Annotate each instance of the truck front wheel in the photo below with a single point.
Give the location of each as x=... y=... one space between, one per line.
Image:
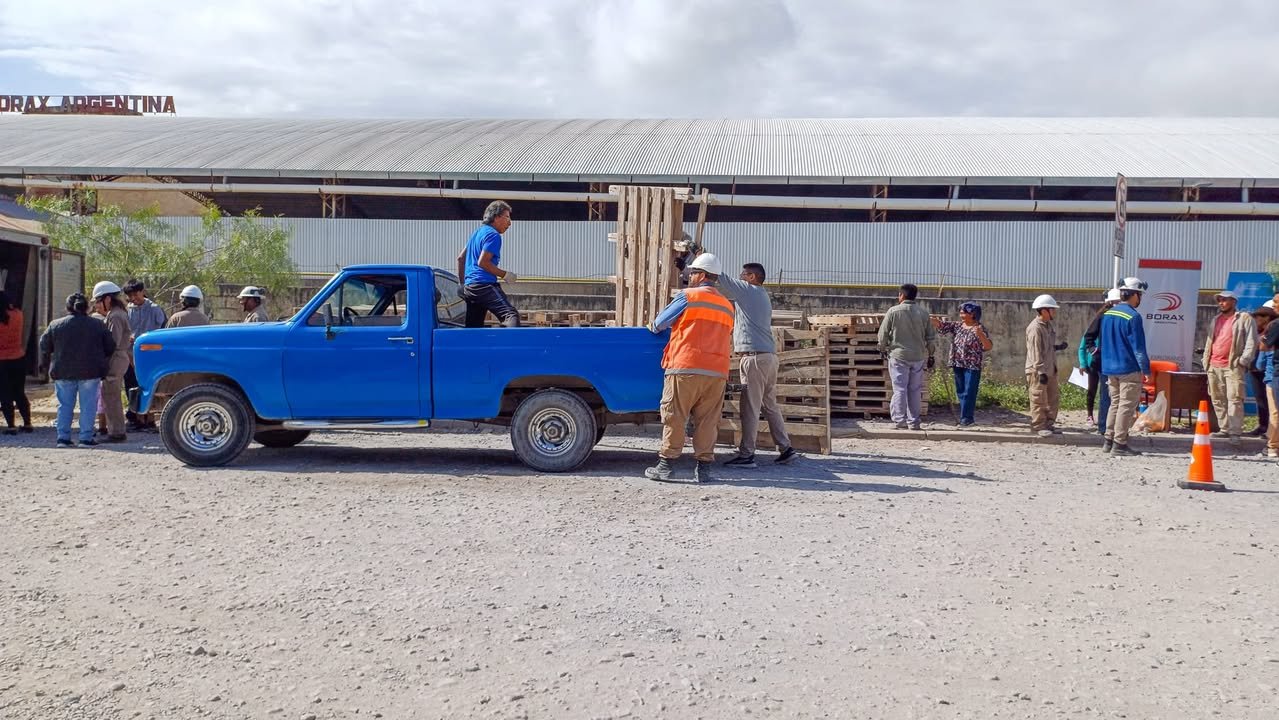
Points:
x=553 y=431
x=206 y=425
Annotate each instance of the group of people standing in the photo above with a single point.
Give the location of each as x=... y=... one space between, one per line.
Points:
x=88 y=354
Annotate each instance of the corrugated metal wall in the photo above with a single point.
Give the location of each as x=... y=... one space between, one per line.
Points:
x=1012 y=254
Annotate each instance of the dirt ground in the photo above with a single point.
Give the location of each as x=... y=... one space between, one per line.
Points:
x=365 y=575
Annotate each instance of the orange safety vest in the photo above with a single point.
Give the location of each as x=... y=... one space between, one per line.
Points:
x=702 y=337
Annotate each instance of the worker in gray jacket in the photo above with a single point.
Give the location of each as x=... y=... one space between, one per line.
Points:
x=753 y=342
x=908 y=339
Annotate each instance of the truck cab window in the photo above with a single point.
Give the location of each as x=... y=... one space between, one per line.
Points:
x=366 y=301
x=450 y=310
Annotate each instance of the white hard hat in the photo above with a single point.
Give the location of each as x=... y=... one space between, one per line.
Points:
x=1044 y=301
x=708 y=263
x=1270 y=304
x=252 y=292
x=106 y=287
x=1135 y=284
x=1227 y=294
x=1113 y=295
x=191 y=291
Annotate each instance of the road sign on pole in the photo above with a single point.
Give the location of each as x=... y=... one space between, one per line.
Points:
x=1121 y=213
x=1121 y=221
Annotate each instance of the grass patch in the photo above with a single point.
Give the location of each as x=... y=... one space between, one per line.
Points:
x=996 y=393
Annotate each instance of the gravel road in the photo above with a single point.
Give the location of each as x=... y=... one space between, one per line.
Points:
x=404 y=576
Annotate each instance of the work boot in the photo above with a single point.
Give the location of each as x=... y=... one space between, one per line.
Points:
x=660 y=471
x=742 y=461
x=786 y=456
x=702 y=472
x=1124 y=450
x=1108 y=446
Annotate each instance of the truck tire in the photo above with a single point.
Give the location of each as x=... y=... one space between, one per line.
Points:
x=599 y=432
x=553 y=431
x=206 y=425
x=280 y=438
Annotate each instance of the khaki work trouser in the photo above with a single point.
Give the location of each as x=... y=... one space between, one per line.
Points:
x=1225 y=387
x=1045 y=400
x=1125 y=395
x=113 y=404
x=700 y=397
x=1272 y=431
x=759 y=372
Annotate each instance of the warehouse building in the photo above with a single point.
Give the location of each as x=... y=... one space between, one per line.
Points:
x=958 y=202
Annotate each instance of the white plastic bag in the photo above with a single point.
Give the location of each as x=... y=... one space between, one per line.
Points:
x=1153 y=420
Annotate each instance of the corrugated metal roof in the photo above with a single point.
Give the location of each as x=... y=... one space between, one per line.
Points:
x=1230 y=151
x=981 y=253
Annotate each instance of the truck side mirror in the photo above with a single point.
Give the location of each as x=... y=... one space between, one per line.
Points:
x=327 y=311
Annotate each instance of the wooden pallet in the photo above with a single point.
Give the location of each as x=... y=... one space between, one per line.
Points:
x=803 y=393
x=859 y=382
x=649 y=222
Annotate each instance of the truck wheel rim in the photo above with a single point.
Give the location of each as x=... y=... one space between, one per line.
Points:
x=552 y=432
x=206 y=427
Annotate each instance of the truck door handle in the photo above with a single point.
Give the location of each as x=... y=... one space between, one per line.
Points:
x=406 y=340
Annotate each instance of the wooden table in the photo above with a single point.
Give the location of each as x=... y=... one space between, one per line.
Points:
x=1184 y=390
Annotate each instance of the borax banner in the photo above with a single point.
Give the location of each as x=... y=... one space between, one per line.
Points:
x=1169 y=307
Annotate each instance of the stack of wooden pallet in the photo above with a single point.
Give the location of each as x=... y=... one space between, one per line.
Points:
x=859 y=382
x=803 y=393
x=563 y=318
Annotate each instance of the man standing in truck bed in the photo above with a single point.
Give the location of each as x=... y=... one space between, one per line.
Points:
x=478 y=272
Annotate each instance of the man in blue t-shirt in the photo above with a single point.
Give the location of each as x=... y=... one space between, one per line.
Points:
x=478 y=271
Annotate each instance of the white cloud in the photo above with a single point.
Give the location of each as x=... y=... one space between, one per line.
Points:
x=656 y=58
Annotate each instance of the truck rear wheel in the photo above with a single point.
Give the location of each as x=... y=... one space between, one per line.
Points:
x=206 y=425
x=553 y=431
x=280 y=438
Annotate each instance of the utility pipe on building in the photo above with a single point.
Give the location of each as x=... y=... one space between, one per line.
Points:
x=1079 y=207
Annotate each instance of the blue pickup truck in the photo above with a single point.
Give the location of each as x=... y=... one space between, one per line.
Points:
x=384 y=347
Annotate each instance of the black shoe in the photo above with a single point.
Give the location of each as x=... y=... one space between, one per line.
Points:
x=786 y=456
x=660 y=471
x=742 y=462
x=1107 y=446
x=1124 y=450
x=702 y=472
x=116 y=439
x=89 y=443
x=11 y=431
x=27 y=428
x=65 y=444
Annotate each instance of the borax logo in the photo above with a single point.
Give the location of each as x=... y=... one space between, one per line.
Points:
x=1171 y=301
x=1167 y=303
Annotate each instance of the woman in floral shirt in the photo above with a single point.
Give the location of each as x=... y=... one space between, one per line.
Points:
x=969 y=344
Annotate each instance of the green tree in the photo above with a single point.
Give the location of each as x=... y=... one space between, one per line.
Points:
x=119 y=245
x=248 y=250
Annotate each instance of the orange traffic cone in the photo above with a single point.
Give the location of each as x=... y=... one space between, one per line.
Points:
x=1200 y=475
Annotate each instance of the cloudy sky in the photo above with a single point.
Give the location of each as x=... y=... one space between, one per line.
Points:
x=652 y=58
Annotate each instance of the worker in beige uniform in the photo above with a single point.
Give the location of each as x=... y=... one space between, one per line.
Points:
x=107 y=303
x=1041 y=367
x=190 y=315
x=251 y=301
x=1229 y=349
